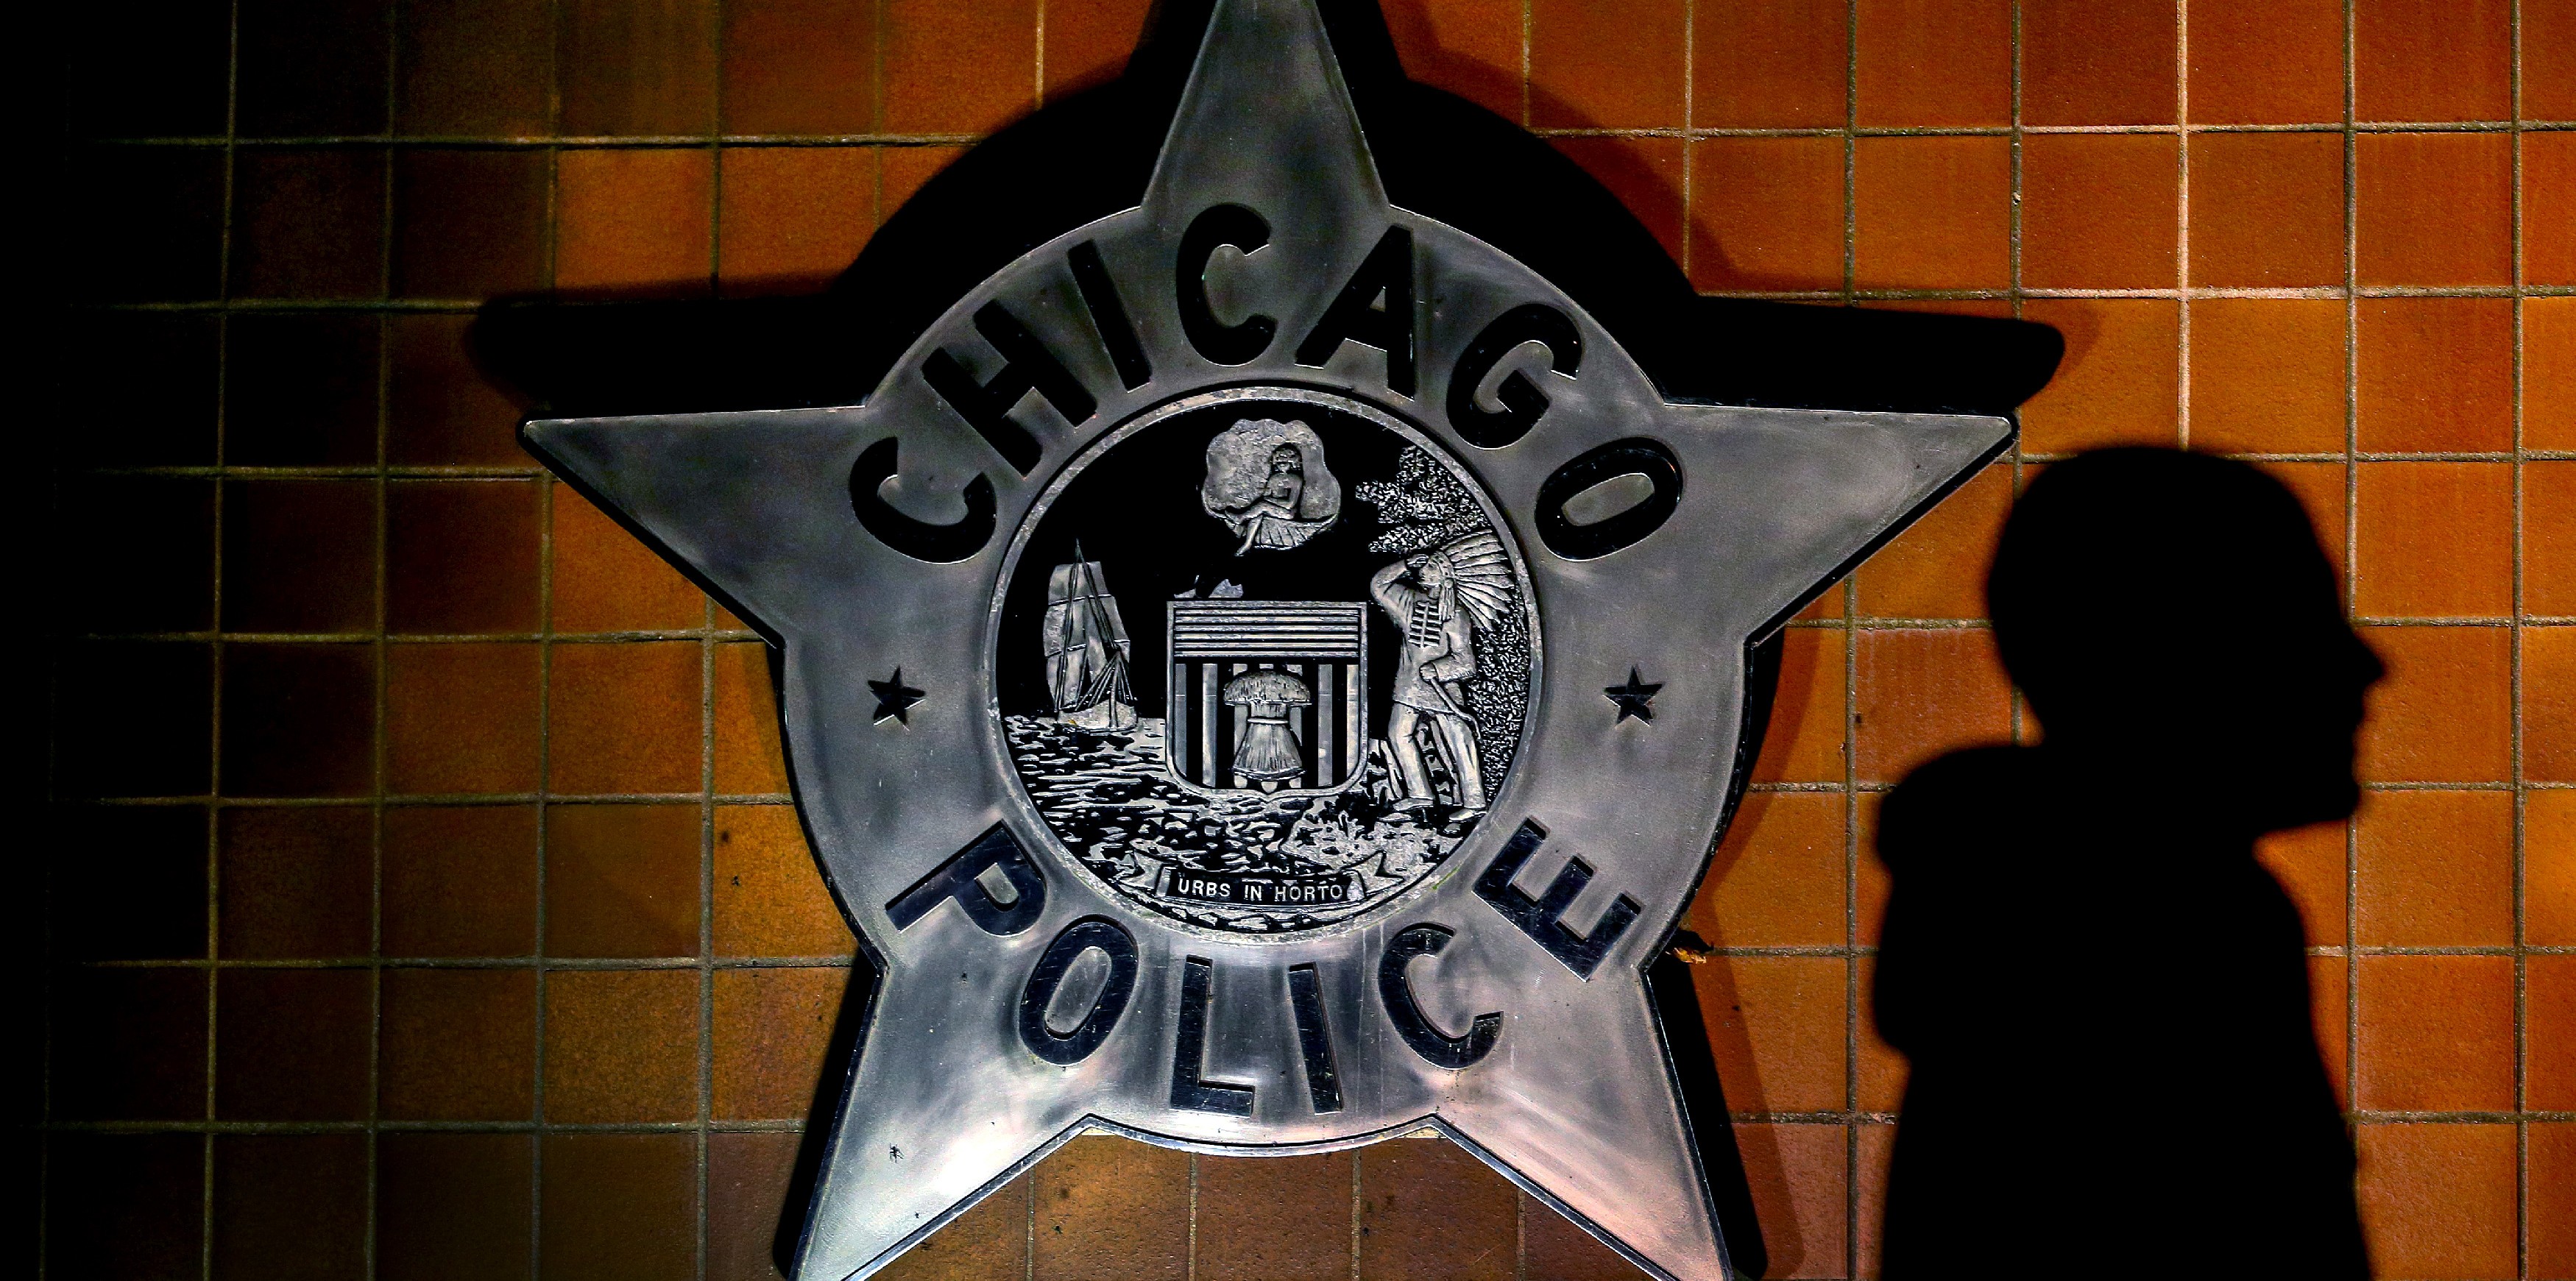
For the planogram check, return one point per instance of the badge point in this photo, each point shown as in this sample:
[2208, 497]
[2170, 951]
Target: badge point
[1635, 698]
[894, 699]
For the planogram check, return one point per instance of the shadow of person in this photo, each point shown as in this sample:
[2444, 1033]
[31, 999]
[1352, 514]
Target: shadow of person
[2103, 996]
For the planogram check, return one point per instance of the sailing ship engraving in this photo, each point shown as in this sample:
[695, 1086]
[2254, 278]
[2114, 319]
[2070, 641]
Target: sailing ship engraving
[1087, 650]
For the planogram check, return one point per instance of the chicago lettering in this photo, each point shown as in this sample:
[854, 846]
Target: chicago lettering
[1375, 307]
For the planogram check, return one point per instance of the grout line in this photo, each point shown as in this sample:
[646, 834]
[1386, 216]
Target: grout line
[2519, 725]
[382, 730]
[2182, 222]
[215, 657]
[2351, 562]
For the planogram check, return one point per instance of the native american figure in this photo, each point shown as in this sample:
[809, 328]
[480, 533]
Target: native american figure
[1440, 599]
[1267, 481]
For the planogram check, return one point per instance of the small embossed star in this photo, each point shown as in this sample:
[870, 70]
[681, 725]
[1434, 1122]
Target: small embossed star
[894, 698]
[1636, 698]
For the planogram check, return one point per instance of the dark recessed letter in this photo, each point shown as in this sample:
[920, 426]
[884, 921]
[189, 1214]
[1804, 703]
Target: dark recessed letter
[1220, 342]
[1522, 400]
[1189, 1048]
[1067, 1048]
[956, 879]
[921, 540]
[1633, 456]
[1026, 366]
[1109, 315]
[1538, 917]
[1396, 990]
[1357, 316]
[1314, 1038]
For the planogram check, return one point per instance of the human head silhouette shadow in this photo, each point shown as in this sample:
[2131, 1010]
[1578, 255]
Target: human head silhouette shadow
[2174, 622]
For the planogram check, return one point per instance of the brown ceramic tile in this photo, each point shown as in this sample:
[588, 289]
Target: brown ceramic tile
[2330, 1018]
[2549, 703]
[1937, 567]
[301, 390]
[1929, 63]
[137, 552]
[957, 69]
[2276, 64]
[299, 720]
[2553, 1196]
[1087, 43]
[2549, 68]
[460, 881]
[772, 1028]
[139, 723]
[1109, 1207]
[749, 758]
[794, 217]
[295, 883]
[621, 1045]
[1775, 1024]
[902, 170]
[1644, 173]
[1804, 743]
[2549, 537]
[2098, 211]
[2268, 375]
[1767, 213]
[124, 1205]
[624, 718]
[1932, 213]
[2098, 64]
[769, 895]
[2432, 59]
[1274, 1217]
[1924, 693]
[474, 68]
[617, 1206]
[291, 1045]
[2435, 208]
[166, 367]
[2436, 869]
[1770, 66]
[1870, 889]
[461, 556]
[2267, 209]
[1471, 48]
[799, 67]
[1428, 1209]
[459, 1045]
[1610, 64]
[747, 1184]
[2320, 489]
[634, 221]
[454, 1205]
[1882, 1072]
[155, 70]
[469, 224]
[2438, 1200]
[460, 719]
[311, 67]
[2436, 540]
[1777, 879]
[606, 580]
[309, 223]
[147, 900]
[2549, 868]
[2443, 713]
[2549, 200]
[636, 70]
[1553, 1247]
[299, 556]
[2436, 1033]
[442, 410]
[1801, 1181]
[2436, 374]
[2549, 373]
[128, 1045]
[2309, 863]
[2116, 385]
[1876, 1142]
[2549, 996]
[988, 1241]
[289, 1205]
[146, 224]
[622, 880]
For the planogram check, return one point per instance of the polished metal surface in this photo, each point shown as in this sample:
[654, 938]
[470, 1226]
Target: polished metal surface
[1493, 991]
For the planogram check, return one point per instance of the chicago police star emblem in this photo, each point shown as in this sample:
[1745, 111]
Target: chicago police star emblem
[1263, 673]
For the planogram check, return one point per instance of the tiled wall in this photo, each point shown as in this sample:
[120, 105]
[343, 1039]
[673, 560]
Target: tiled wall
[427, 901]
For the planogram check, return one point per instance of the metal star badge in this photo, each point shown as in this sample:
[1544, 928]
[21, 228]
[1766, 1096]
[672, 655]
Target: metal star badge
[1251, 565]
